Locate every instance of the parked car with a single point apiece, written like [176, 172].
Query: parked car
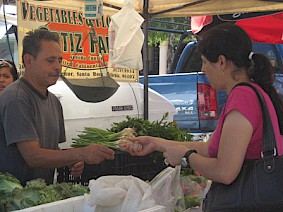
[127, 101]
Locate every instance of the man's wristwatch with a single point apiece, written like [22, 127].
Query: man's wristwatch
[185, 159]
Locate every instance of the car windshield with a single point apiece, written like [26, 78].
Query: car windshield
[8, 33]
[193, 60]
[8, 42]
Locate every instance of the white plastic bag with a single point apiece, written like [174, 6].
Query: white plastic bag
[166, 189]
[119, 193]
[126, 38]
[131, 194]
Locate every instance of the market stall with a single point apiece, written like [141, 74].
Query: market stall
[166, 8]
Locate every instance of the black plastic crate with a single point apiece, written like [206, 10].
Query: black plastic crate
[145, 168]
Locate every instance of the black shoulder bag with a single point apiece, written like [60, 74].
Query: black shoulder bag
[259, 185]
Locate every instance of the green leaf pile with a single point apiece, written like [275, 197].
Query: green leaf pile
[162, 128]
[36, 192]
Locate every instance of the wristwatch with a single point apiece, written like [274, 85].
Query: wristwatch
[185, 160]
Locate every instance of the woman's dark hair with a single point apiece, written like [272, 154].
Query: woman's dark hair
[235, 44]
[10, 64]
[32, 41]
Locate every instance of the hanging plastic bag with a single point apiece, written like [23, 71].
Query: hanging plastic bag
[126, 38]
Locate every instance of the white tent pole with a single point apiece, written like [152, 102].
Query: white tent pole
[145, 57]
[163, 57]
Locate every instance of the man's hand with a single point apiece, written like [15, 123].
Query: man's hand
[77, 169]
[95, 154]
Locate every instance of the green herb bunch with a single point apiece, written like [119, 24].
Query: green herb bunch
[162, 128]
[92, 135]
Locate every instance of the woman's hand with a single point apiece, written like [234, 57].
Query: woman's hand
[174, 154]
[141, 146]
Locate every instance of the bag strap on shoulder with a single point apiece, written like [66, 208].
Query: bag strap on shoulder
[268, 137]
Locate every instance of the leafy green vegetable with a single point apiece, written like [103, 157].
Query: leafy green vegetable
[187, 171]
[198, 179]
[114, 137]
[15, 197]
[50, 194]
[78, 190]
[92, 135]
[162, 128]
[22, 198]
[36, 184]
[8, 183]
[192, 201]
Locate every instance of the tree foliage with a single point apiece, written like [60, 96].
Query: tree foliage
[179, 25]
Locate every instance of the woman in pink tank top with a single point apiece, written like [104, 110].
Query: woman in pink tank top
[226, 52]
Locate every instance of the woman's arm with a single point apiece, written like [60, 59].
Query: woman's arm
[235, 137]
[150, 144]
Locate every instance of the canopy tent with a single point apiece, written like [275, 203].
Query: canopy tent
[178, 8]
[264, 27]
[182, 8]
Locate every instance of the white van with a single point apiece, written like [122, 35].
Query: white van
[126, 101]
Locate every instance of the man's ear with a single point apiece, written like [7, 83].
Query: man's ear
[27, 60]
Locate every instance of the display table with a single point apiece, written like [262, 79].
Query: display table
[75, 204]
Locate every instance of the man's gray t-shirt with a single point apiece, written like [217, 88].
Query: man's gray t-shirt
[25, 114]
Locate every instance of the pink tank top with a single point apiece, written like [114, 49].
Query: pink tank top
[244, 99]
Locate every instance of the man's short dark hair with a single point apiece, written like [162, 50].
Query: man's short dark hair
[32, 41]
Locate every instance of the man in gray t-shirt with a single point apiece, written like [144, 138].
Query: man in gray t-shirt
[29, 115]
[31, 118]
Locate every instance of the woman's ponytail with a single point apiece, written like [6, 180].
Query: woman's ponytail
[263, 74]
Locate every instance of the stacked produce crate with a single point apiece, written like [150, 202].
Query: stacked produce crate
[144, 168]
